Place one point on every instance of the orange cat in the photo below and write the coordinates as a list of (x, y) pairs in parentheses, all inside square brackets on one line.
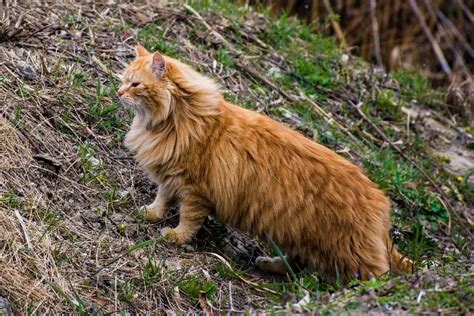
[(253, 174)]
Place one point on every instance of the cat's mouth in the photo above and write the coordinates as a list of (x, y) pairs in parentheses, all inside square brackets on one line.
[(129, 102), (137, 106)]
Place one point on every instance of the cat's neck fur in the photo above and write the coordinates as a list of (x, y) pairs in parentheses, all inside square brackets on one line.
[(195, 106)]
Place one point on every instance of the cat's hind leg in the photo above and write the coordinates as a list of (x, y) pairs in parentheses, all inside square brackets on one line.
[(271, 265)]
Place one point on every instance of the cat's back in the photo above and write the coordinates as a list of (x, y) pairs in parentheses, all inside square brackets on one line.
[(275, 158), (255, 131)]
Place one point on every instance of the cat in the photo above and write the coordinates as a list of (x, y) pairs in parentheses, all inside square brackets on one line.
[(252, 173)]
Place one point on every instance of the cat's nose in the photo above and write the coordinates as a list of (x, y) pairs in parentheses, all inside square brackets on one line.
[(120, 92)]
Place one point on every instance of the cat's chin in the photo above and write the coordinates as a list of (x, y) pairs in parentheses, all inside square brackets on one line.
[(136, 106), (127, 103)]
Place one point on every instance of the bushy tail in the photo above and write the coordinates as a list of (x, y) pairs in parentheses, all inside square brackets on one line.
[(398, 263)]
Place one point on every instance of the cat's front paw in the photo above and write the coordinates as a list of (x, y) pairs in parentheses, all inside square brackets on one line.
[(151, 213), (173, 235)]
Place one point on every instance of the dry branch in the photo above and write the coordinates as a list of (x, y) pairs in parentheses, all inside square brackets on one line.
[(443, 196), (375, 30), (436, 48)]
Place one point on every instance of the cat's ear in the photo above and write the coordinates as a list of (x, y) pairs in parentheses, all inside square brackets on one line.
[(141, 51), (158, 65)]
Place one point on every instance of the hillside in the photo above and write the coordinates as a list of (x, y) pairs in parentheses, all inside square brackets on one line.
[(71, 235)]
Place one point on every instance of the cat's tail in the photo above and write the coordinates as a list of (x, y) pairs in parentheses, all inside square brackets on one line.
[(399, 264)]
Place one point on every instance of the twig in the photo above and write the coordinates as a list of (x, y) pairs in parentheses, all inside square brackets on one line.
[(231, 299), (335, 25), (68, 180), (23, 228), (48, 159), (466, 10), (104, 68), (436, 48), (328, 117), (375, 31), (252, 71), (443, 197), (216, 34)]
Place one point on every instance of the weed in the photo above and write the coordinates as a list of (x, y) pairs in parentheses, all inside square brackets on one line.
[(11, 199), (75, 302), (152, 37), (103, 108), (75, 77), (225, 272), (115, 199), (222, 55), (92, 165), (388, 104), (127, 292), (194, 286), (414, 86), (153, 268)]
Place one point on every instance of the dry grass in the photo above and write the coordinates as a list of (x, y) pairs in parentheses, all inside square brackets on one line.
[(26, 254), (13, 148), (25, 268), (71, 234)]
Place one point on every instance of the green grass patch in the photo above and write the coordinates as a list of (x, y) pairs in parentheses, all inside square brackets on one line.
[(153, 38), (413, 86), (194, 286)]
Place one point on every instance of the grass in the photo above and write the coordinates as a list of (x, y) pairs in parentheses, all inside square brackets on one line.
[(152, 37), (194, 287), (103, 258), (416, 88)]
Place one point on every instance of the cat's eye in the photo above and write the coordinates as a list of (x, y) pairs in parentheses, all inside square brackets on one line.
[(135, 84)]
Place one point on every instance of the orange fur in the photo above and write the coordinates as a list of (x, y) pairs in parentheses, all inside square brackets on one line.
[(252, 173)]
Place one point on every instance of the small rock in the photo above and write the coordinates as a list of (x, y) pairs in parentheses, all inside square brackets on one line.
[(29, 72), (121, 51), (5, 307), (344, 58), (274, 72), (63, 34), (94, 161), (77, 35), (123, 194)]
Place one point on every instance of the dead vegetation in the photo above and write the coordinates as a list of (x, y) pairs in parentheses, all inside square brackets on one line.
[(431, 36), (396, 34), (22, 241), (71, 238), (65, 174)]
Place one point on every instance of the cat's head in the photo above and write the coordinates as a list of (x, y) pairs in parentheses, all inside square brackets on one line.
[(146, 86), (155, 86)]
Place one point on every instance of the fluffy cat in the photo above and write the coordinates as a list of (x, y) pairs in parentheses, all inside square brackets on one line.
[(253, 174)]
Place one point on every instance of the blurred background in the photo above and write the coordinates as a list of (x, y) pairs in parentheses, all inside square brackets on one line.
[(433, 37)]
